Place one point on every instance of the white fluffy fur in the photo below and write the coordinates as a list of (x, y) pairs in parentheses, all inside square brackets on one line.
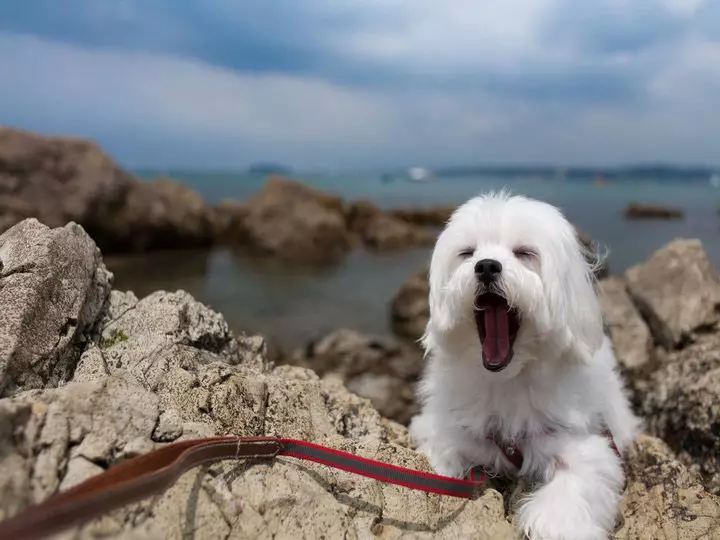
[(562, 375)]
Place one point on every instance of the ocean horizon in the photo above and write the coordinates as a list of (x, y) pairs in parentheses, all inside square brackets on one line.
[(292, 304)]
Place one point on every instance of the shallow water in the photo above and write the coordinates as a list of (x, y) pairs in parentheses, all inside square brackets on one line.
[(291, 303)]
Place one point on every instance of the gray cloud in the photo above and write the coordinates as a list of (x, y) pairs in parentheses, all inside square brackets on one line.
[(222, 83)]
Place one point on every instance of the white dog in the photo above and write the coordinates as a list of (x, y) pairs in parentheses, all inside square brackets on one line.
[(520, 376)]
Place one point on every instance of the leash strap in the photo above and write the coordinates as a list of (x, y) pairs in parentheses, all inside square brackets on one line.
[(156, 471)]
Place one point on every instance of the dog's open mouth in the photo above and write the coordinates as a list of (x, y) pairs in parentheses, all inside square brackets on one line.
[(497, 327)]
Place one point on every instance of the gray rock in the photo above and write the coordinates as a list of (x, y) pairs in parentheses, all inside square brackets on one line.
[(170, 426), (291, 222), (677, 291), (378, 368), (53, 285), (665, 500), (382, 231), (629, 333), (62, 179), (79, 469), (165, 366), (409, 308), (289, 499), (681, 404)]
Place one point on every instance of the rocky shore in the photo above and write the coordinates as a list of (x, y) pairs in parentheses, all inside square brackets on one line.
[(59, 179), (92, 376), (290, 221), (62, 179)]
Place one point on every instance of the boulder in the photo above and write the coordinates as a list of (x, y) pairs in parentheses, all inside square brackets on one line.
[(166, 368), (677, 291), (378, 368), (53, 285), (162, 214), (680, 404), (630, 335), (434, 216), (664, 499), (650, 211), (290, 221), (381, 231), (293, 222), (62, 179), (409, 308), (230, 214)]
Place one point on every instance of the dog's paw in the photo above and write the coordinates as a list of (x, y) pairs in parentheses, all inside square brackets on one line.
[(446, 462), (443, 456), (545, 518), (454, 468)]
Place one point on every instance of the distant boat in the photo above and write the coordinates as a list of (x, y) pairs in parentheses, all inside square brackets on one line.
[(715, 180), (418, 174), (600, 181)]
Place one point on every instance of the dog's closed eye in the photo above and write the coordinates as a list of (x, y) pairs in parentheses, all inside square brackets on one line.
[(466, 253), (525, 252)]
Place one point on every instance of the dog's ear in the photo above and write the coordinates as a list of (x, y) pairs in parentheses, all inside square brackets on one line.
[(439, 303), (572, 304)]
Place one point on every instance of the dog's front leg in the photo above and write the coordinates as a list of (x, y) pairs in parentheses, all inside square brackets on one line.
[(445, 448), (580, 497)]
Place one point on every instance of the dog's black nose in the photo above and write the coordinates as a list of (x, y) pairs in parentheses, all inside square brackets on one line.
[(488, 270)]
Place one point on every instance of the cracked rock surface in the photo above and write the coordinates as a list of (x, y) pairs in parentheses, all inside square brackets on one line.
[(53, 285), (166, 368)]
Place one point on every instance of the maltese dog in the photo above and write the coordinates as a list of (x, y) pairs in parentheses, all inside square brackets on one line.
[(521, 378)]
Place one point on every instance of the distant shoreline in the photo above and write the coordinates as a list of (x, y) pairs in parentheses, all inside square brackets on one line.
[(665, 173)]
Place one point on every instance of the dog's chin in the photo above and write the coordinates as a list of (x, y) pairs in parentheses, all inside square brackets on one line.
[(497, 326)]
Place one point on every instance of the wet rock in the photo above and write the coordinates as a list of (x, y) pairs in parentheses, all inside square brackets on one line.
[(62, 179), (290, 221), (382, 231), (409, 308), (162, 214), (650, 211), (434, 216)]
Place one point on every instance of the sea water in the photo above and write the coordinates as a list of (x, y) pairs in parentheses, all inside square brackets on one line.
[(292, 304)]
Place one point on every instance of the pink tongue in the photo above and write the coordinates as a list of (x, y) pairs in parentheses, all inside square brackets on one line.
[(496, 344)]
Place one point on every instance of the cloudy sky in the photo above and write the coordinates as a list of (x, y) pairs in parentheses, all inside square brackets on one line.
[(372, 83)]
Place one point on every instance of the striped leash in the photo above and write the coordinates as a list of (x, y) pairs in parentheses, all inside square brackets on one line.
[(154, 472)]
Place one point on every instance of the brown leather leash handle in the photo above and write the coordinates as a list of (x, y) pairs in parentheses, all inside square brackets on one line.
[(129, 482)]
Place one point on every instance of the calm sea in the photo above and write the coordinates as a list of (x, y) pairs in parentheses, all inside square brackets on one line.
[(291, 304)]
